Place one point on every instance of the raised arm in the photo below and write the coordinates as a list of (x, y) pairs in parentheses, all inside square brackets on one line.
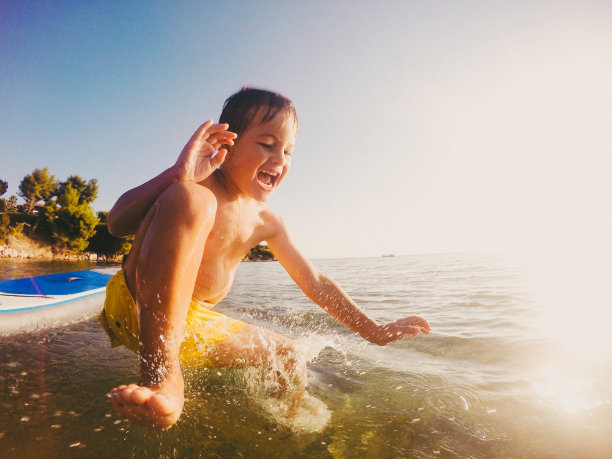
[(195, 163), (329, 295)]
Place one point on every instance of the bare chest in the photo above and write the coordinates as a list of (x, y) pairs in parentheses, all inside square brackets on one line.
[(234, 232)]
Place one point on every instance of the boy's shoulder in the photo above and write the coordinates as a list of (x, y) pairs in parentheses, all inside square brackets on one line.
[(272, 223)]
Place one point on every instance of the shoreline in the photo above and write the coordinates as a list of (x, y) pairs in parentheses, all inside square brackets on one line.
[(24, 248)]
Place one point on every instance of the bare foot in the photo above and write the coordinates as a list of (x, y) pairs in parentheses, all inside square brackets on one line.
[(157, 407)]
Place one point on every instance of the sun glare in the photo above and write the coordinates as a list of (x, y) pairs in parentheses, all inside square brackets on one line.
[(575, 318)]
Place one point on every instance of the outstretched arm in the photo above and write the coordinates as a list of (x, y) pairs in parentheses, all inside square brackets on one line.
[(195, 163), (329, 295)]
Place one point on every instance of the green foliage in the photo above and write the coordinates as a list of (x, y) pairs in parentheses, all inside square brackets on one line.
[(102, 215), (260, 252), (87, 191), (37, 186), (5, 206), (104, 243), (17, 229), (67, 217), (4, 226), (70, 218), (8, 205)]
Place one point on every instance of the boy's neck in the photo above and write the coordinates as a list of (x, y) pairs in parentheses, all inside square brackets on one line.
[(232, 191)]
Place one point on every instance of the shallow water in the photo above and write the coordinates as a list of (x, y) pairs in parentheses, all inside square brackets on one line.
[(491, 380)]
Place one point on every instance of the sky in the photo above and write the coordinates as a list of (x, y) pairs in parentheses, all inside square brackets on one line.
[(424, 126)]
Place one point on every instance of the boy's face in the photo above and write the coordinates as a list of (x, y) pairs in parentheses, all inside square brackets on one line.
[(261, 157)]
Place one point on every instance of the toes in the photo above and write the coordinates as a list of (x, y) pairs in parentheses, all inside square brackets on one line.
[(141, 404), (161, 405), (120, 396), (140, 395), (117, 399), (130, 395)]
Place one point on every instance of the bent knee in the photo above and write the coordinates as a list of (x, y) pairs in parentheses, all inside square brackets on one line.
[(189, 202)]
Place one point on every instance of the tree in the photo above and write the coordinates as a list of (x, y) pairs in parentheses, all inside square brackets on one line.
[(104, 243), (37, 186), (8, 205), (88, 191), (102, 216), (5, 220), (72, 222), (261, 252)]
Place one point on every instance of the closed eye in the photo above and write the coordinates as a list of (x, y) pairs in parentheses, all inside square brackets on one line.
[(265, 145)]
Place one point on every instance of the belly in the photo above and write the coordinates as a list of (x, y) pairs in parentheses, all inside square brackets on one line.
[(212, 284)]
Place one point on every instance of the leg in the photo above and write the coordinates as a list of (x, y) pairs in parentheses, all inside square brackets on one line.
[(255, 346), (160, 273)]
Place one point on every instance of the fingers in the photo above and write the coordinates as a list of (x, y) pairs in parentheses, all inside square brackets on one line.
[(409, 331), (409, 326), (197, 135), (218, 159), (421, 323), (219, 143), (208, 130)]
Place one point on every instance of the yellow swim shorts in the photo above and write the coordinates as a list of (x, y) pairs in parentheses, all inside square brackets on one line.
[(204, 328)]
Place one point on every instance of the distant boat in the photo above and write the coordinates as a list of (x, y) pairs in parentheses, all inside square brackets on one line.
[(388, 255)]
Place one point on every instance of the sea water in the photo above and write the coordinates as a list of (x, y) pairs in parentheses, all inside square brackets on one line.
[(495, 378)]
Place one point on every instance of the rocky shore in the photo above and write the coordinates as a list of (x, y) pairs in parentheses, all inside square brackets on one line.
[(26, 248), (22, 247)]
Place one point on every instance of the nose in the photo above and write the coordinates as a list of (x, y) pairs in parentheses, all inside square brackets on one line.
[(278, 157)]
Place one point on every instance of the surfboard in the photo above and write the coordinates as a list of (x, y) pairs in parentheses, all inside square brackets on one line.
[(46, 301)]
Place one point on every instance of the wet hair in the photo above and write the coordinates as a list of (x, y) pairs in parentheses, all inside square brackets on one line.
[(241, 108)]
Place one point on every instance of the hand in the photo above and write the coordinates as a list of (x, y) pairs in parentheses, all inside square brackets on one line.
[(195, 162), (394, 331)]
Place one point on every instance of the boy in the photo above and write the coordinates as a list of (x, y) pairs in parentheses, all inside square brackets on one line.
[(193, 224)]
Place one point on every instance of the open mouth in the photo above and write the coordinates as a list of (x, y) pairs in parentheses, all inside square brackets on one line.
[(267, 179)]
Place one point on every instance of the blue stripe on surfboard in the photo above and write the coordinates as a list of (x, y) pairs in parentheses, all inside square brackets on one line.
[(56, 284), (42, 306)]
